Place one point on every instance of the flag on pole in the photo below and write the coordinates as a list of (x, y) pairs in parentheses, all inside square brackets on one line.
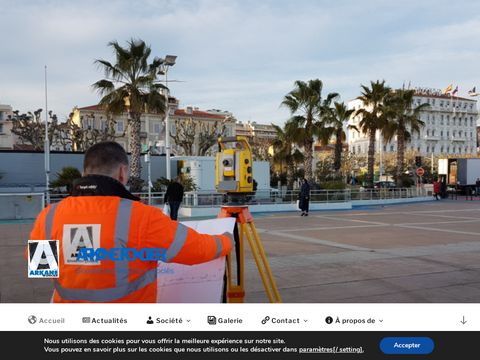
[(448, 89), (455, 91), (473, 92)]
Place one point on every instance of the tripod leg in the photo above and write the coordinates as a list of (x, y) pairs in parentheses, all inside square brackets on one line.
[(238, 252), (265, 262), (225, 281), (236, 289), (259, 266)]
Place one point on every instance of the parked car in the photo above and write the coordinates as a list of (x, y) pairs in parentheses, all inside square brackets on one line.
[(384, 185)]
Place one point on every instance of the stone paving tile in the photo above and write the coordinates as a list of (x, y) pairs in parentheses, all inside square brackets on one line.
[(390, 237)]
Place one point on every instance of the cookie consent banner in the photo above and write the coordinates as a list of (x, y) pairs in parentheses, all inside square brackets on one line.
[(238, 345)]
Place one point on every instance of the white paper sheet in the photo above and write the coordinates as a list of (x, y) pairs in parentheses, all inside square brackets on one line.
[(202, 283)]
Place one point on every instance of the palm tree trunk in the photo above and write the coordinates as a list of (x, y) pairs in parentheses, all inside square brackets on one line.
[(400, 156), (337, 163), (290, 171), (371, 156), (308, 163), (135, 164)]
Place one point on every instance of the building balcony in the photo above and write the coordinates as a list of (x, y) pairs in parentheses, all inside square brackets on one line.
[(143, 134)]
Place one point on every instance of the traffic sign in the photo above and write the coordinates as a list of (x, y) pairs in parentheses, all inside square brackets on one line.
[(420, 171)]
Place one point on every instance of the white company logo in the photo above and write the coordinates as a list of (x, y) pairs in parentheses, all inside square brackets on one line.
[(77, 236), (43, 259)]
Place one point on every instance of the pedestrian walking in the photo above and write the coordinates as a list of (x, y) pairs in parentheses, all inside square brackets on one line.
[(304, 197), (443, 189), (174, 197), (436, 189)]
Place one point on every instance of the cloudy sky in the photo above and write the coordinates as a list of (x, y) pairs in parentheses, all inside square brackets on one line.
[(242, 56)]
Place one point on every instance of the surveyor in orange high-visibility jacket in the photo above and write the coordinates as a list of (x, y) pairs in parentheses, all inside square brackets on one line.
[(102, 213)]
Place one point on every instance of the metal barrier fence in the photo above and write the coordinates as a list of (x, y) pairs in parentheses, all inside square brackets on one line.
[(209, 199)]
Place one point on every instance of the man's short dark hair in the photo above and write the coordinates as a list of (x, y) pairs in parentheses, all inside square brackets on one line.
[(104, 158)]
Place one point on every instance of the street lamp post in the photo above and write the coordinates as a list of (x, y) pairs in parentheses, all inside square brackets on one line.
[(380, 170), (47, 146), (169, 61), (149, 169)]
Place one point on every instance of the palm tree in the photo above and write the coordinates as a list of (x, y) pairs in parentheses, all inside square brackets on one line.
[(404, 119), (285, 150), (373, 118), (335, 119), (130, 86), (305, 105)]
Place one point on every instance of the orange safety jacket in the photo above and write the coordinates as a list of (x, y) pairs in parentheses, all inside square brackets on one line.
[(115, 222)]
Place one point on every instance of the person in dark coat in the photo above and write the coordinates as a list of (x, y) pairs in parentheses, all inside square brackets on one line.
[(443, 189), (304, 197), (174, 197)]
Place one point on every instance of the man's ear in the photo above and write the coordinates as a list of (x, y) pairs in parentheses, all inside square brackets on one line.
[(123, 174)]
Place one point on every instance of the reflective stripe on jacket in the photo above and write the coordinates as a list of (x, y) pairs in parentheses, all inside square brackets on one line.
[(121, 223)]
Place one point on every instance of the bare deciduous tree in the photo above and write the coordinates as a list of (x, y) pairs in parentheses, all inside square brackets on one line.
[(195, 137)]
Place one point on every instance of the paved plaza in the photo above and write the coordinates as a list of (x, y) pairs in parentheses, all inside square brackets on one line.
[(422, 252)]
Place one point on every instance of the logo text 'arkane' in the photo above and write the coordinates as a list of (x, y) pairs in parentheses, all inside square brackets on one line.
[(120, 254)]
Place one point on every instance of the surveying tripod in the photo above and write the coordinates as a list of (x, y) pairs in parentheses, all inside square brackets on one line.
[(244, 227)]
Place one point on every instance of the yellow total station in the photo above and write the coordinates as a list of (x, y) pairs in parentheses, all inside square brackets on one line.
[(234, 166)]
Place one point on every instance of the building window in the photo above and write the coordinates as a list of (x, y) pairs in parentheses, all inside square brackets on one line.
[(441, 133), (441, 150), (428, 132), (454, 120), (120, 126), (428, 149), (433, 148), (433, 132), (448, 149), (391, 148), (1, 128), (448, 133), (2, 115)]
